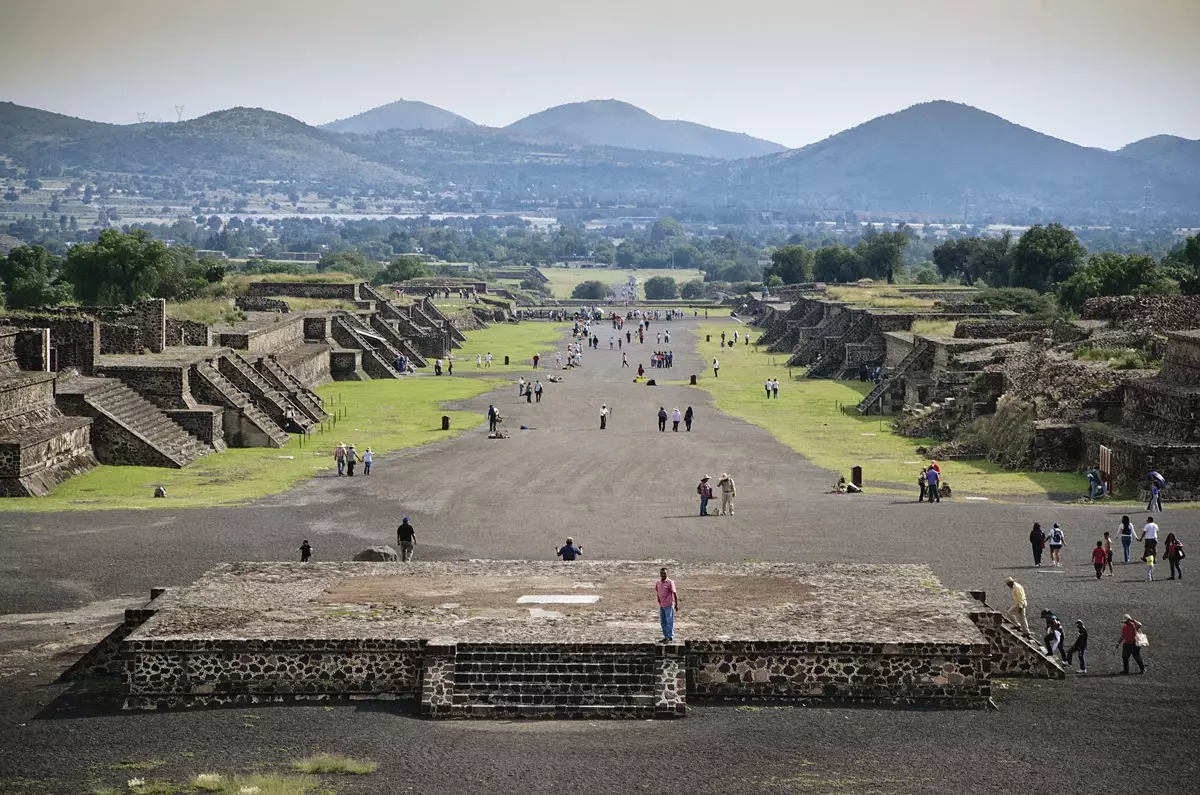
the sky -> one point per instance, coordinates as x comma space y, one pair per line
1096, 72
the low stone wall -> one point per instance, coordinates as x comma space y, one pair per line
308, 363
345, 292
188, 332
258, 303
345, 365
205, 423
31, 348
1153, 313
1015, 329
1056, 447
287, 333
119, 338
75, 342
166, 385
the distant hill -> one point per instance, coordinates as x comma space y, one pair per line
927, 157
1168, 151
608, 122
403, 114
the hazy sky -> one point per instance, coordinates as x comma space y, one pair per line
1096, 72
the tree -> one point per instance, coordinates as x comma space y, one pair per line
692, 290
1109, 273
401, 269
882, 254
590, 291
117, 268
661, 288
665, 228
792, 264
1045, 256
30, 277
972, 259
836, 264
354, 263
1183, 265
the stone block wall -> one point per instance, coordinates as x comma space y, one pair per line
1015, 329
188, 332
345, 292
74, 342
168, 673
345, 365
1181, 363
1056, 447
317, 328
1012, 654
31, 349
309, 364
120, 338
1154, 313
166, 385
1135, 454
206, 423
258, 303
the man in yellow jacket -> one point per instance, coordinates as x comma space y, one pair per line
1017, 611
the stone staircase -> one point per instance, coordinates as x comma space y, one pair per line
377, 354
127, 429
274, 403
900, 370
303, 398
1013, 652
220, 391
616, 680
389, 332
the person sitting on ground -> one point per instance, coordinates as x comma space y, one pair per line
569, 551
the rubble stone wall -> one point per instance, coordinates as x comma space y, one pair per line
345, 292
75, 341
188, 332
1152, 312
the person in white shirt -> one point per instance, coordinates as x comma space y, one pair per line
716, 367
767, 386
1149, 537
479, 361
489, 359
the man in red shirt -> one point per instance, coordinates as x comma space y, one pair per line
1129, 644
1099, 559
668, 603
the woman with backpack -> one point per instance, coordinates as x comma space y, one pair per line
1056, 542
1126, 533
1174, 555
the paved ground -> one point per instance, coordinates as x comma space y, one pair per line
628, 492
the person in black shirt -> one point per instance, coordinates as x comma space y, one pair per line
406, 537
305, 551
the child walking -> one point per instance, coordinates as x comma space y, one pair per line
305, 551
1150, 568
1099, 559
1079, 647
1108, 553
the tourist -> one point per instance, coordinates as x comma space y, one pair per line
437, 366
611, 341
934, 466
1127, 534
1131, 643
521, 386
478, 361
1175, 555
624, 360
676, 418
668, 605
339, 455
536, 358
450, 365
493, 418
351, 460
1056, 541
1037, 540
687, 419
1149, 567
537, 391
1149, 538
705, 491
367, 458
931, 484
488, 358
1052, 640
1079, 647
603, 417
1157, 482
641, 370
728, 492
529, 393
767, 386
305, 551
1019, 604
569, 551
716, 367
558, 358
1108, 553
775, 389
406, 539
662, 419
1099, 559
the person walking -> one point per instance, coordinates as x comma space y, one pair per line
367, 458
351, 460
305, 551
1175, 556
603, 417
488, 358
662, 419
1056, 541
493, 418
775, 389
668, 604
1037, 540
537, 391
1126, 533
716, 367
611, 341
529, 393
521, 386
1149, 567
339, 456
1099, 559
1131, 643
932, 476
1108, 553
1157, 482
728, 492
1053, 638
569, 551
676, 418
922, 486
767, 386
705, 491
1149, 538
478, 360
450, 365
1079, 647
406, 539
537, 357
624, 360
1019, 604
687, 419
437, 366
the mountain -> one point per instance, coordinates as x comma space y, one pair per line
234, 145
607, 122
926, 158
403, 114
1168, 151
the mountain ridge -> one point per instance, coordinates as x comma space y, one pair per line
403, 114
1168, 151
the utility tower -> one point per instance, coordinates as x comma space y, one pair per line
141, 117
1147, 200
179, 113
968, 207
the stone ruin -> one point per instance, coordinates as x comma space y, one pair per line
130, 386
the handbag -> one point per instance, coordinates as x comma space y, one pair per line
1140, 640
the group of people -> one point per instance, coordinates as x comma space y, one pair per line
1102, 553
347, 457
772, 388
676, 417
931, 484
662, 359
728, 491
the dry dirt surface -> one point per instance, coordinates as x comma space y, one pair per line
624, 493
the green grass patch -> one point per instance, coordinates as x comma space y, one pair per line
148, 764
213, 311
807, 418
518, 341
305, 304
942, 327
1118, 358
563, 280
262, 784
334, 763
375, 419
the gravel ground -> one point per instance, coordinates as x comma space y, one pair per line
629, 493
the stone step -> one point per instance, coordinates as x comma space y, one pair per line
557, 669
587, 711
640, 699
143, 419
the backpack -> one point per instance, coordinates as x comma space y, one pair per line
1056, 536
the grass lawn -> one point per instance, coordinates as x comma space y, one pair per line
564, 280
238, 476
807, 418
518, 341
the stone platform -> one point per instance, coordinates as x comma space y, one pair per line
510, 638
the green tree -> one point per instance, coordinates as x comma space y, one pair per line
1183, 264
30, 277
1109, 273
401, 269
590, 291
836, 264
354, 263
973, 259
792, 264
665, 228
661, 288
118, 268
692, 290
882, 254
1045, 256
